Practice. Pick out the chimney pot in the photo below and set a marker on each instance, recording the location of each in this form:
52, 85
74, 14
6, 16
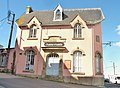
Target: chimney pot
28, 9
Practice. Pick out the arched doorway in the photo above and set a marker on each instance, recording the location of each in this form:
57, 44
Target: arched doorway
52, 64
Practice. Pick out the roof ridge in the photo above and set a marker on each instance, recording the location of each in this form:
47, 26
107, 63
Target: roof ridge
82, 9
42, 10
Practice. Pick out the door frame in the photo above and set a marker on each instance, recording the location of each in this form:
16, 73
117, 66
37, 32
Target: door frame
57, 57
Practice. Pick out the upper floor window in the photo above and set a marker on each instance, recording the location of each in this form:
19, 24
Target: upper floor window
58, 15
29, 60
97, 38
77, 31
77, 61
98, 63
33, 31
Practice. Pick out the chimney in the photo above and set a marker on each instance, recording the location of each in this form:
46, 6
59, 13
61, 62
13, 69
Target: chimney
28, 9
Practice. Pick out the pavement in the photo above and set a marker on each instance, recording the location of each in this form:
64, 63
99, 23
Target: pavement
11, 81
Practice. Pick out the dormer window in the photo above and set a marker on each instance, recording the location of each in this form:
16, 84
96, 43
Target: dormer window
33, 31
58, 15
77, 30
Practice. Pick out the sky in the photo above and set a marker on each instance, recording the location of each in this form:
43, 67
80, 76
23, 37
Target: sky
110, 25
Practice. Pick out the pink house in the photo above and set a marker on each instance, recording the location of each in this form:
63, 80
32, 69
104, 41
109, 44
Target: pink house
6, 63
61, 44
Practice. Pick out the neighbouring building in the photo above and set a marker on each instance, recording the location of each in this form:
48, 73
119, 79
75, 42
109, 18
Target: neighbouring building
61, 44
6, 61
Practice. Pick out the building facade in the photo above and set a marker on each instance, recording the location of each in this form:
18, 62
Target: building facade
61, 44
6, 61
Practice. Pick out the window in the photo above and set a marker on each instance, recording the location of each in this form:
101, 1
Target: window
33, 31
97, 38
3, 60
58, 15
77, 61
77, 31
98, 63
29, 60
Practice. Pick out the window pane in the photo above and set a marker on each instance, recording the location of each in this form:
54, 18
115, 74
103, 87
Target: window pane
29, 60
33, 31
77, 62
32, 60
77, 31
97, 38
98, 69
58, 14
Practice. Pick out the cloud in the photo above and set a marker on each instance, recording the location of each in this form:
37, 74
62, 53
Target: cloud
117, 44
118, 29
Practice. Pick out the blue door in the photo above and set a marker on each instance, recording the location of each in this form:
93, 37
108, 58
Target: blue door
52, 65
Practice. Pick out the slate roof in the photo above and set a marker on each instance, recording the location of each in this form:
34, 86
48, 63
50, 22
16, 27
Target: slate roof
89, 15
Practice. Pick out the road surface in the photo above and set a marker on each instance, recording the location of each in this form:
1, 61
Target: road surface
10, 81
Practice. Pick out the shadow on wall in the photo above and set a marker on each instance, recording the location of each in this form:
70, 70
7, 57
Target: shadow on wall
40, 69
20, 61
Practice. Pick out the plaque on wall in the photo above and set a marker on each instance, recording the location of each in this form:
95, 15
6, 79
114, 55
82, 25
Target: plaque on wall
67, 64
54, 44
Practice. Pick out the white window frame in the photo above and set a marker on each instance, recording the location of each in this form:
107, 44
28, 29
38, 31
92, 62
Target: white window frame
33, 31
77, 61
30, 54
98, 63
77, 30
58, 15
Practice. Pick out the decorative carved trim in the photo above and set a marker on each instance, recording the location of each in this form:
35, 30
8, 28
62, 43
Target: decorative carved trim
34, 48
54, 39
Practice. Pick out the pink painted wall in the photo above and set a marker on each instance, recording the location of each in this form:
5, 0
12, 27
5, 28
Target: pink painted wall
97, 46
10, 60
66, 71
21, 59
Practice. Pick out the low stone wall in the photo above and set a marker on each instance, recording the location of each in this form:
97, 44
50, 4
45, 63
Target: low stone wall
95, 81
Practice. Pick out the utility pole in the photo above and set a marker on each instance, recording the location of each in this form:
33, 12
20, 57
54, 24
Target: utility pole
114, 67
9, 42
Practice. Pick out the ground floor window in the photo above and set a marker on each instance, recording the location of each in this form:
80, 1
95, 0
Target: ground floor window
30, 54
98, 63
77, 61
3, 60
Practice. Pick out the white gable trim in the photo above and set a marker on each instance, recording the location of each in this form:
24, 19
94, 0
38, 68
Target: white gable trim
78, 19
35, 21
55, 10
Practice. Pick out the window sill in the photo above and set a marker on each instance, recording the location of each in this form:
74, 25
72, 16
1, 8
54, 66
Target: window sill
30, 71
78, 73
77, 38
99, 73
2, 66
32, 39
